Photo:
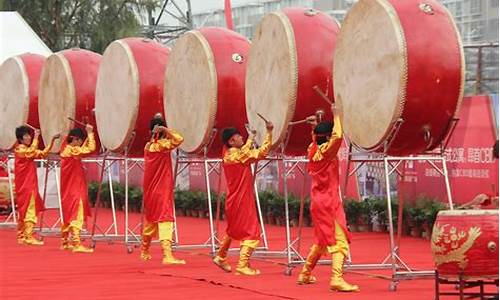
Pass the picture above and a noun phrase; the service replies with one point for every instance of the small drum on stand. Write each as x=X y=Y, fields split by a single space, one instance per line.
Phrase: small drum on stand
x=205 y=87
x=129 y=92
x=466 y=242
x=465 y=251
x=67 y=89
x=291 y=55
x=398 y=75
x=19 y=78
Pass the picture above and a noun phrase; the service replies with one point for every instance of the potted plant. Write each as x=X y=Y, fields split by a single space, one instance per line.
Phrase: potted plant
x=352 y=209
x=430 y=208
x=366 y=214
x=417 y=219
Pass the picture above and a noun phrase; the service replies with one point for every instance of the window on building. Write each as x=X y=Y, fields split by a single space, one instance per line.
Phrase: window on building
x=494 y=3
x=475 y=7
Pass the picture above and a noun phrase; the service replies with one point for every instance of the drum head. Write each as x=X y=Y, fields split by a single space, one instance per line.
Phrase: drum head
x=57 y=100
x=14 y=100
x=271 y=78
x=190 y=90
x=117 y=96
x=370 y=72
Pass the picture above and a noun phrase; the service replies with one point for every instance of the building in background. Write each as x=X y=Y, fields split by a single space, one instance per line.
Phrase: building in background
x=477 y=21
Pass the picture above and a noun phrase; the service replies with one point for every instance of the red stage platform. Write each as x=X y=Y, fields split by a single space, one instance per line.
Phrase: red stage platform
x=29 y=272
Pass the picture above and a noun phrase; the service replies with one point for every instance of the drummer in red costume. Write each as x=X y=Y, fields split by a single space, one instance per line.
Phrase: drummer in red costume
x=74 y=195
x=159 y=190
x=241 y=212
x=28 y=200
x=327 y=212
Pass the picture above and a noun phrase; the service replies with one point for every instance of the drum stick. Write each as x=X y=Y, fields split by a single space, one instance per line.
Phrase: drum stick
x=30 y=126
x=298 y=122
x=260 y=116
x=76 y=121
x=323 y=96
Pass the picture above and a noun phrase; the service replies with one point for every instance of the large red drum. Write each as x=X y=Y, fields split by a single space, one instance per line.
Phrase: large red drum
x=291 y=53
x=398 y=61
x=67 y=89
x=129 y=92
x=205 y=87
x=466 y=242
x=19 y=77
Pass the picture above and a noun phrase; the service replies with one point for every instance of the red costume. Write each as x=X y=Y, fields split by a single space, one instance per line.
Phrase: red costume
x=326 y=204
x=74 y=193
x=28 y=200
x=159 y=195
x=26 y=179
x=240 y=210
x=327 y=211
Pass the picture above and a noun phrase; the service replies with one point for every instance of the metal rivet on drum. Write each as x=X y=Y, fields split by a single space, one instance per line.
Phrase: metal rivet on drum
x=426 y=8
x=237 y=58
x=492 y=246
x=310 y=12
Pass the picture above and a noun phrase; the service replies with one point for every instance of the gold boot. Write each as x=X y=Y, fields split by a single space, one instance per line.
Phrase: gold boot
x=243 y=266
x=168 y=257
x=28 y=235
x=221 y=258
x=305 y=276
x=77 y=243
x=337 y=282
x=20 y=232
x=146 y=242
x=65 y=241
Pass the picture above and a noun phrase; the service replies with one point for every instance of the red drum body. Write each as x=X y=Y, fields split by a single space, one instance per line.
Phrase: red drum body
x=67 y=89
x=205 y=87
x=129 y=93
x=398 y=61
x=19 y=78
x=291 y=53
x=466 y=241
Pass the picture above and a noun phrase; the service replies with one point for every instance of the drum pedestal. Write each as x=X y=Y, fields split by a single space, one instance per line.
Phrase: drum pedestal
x=462 y=284
x=400 y=270
x=11 y=220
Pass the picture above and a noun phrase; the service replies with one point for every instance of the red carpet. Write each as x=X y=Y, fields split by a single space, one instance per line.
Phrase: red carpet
x=110 y=273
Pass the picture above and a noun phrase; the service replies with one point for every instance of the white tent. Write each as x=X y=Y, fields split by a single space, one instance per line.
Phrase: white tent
x=17 y=37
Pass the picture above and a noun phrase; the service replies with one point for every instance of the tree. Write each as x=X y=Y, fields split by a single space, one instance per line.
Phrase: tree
x=89 y=24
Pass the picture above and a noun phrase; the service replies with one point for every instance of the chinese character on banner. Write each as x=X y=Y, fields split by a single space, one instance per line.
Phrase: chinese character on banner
x=470 y=163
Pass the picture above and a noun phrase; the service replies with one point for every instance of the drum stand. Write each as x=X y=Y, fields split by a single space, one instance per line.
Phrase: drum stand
x=111 y=232
x=393 y=261
x=11 y=220
x=462 y=283
x=51 y=165
x=210 y=165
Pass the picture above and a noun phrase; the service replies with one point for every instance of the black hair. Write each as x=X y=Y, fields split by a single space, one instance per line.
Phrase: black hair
x=228 y=133
x=495 y=150
x=156 y=121
x=76 y=133
x=322 y=131
x=21 y=131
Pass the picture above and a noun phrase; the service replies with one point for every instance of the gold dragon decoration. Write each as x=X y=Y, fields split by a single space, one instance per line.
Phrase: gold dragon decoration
x=451 y=246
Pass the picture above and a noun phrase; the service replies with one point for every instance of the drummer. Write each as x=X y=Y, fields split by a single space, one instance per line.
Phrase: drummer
x=74 y=194
x=326 y=206
x=28 y=200
x=159 y=190
x=240 y=210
